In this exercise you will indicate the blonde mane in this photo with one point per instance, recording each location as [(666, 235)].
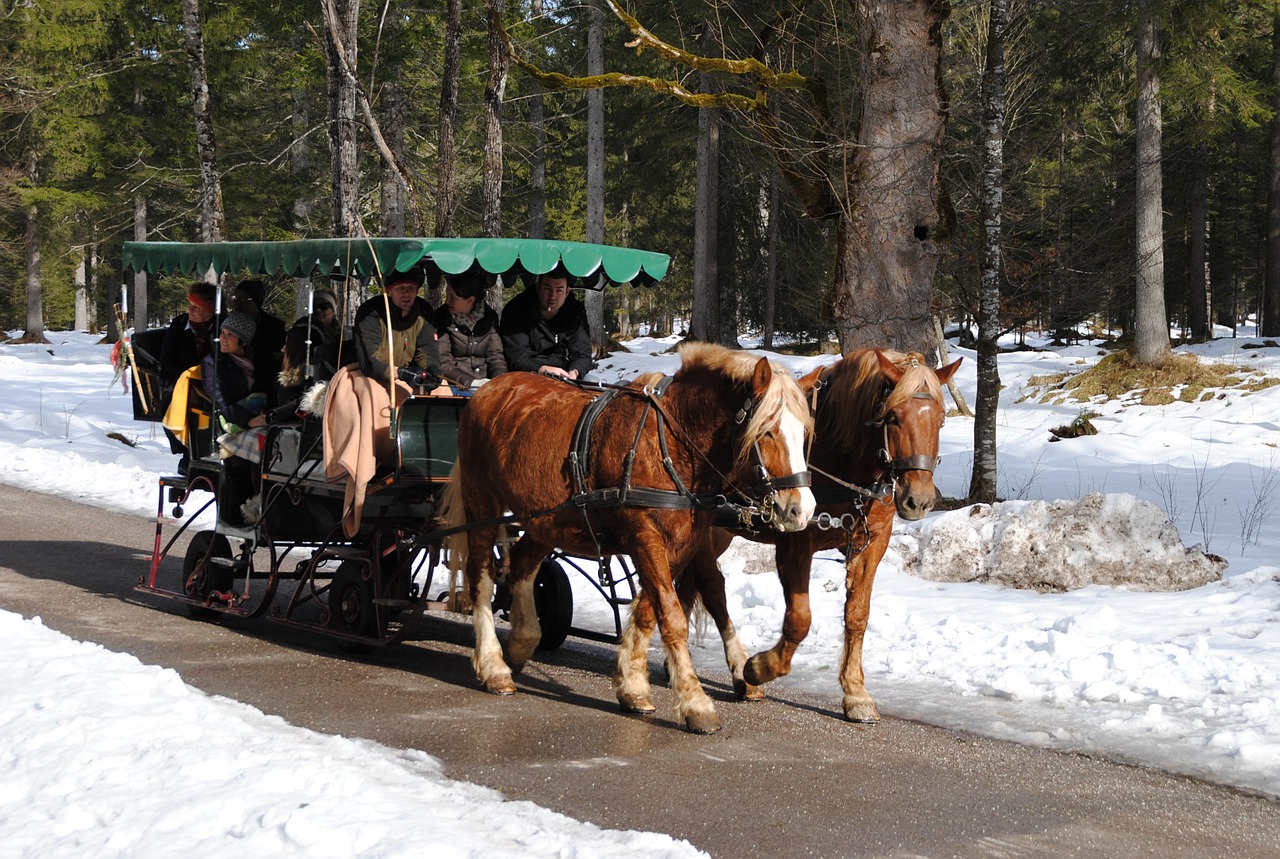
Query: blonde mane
[(853, 395), (781, 396)]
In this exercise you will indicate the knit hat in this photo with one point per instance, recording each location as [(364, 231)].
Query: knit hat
[(324, 296), (255, 289), (240, 324), (202, 295), (398, 277)]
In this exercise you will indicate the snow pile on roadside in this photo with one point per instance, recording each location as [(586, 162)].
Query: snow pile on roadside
[(1114, 539)]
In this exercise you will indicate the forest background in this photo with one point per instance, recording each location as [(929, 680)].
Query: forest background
[(102, 140)]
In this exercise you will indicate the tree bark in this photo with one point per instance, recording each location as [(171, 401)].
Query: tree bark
[(982, 481), (393, 191), (213, 227), (34, 332), (892, 219), (79, 279), (1271, 289), (773, 243), (446, 157), (595, 171), (705, 323), (140, 309), (538, 157), (491, 180), (1197, 284), (343, 153), (1151, 324)]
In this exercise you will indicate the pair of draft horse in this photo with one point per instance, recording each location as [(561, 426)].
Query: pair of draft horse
[(644, 478)]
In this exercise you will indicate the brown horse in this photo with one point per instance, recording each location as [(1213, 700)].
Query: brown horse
[(876, 421), (659, 456)]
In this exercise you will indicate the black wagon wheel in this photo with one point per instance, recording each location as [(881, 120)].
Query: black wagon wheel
[(351, 608), (553, 600), (202, 572)]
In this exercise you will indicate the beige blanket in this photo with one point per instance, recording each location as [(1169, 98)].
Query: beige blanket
[(357, 436)]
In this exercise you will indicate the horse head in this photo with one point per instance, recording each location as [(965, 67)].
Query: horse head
[(770, 426), (911, 416)]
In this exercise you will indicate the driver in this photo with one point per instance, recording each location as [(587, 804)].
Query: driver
[(413, 350)]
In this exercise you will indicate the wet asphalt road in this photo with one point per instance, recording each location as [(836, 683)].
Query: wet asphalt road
[(784, 778)]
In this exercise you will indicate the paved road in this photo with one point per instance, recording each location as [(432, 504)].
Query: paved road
[(784, 778)]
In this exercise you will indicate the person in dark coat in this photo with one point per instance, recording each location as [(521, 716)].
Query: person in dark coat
[(268, 340), (189, 337), (471, 349), (413, 350), (544, 329), (229, 375)]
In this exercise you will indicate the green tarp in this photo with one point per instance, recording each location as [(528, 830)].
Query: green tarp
[(367, 258)]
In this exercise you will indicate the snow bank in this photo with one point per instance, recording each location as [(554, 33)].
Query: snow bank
[(1113, 539)]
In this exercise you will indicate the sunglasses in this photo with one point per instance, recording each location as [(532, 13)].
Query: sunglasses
[(324, 307)]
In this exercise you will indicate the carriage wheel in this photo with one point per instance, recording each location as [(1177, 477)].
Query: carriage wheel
[(553, 600), (201, 575), (351, 607)]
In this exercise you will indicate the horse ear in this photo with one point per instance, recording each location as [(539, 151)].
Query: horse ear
[(808, 380), (760, 377), (945, 374), (891, 370)]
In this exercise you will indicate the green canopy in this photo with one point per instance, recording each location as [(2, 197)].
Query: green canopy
[(592, 265)]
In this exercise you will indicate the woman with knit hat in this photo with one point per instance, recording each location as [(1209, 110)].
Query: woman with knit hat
[(228, 374)]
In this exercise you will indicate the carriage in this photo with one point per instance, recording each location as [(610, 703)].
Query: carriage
[(365, 582)]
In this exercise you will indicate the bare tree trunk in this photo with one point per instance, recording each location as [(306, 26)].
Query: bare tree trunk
[(343, 152), (1271, 290), (888, 240), (140, 277), (393, 190), (95, 291), (982, 481), (1197, 282), (773, 242), (704, 323), (213, 227), (34, 332), (538, 157), (491, 181), (595, 171), (81, 292), (446, 157), (1151, 324), (299, 156)]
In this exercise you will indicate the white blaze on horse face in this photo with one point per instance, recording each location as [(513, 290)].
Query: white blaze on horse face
[(797, 518)]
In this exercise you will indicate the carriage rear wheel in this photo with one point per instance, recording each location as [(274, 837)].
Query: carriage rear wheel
[(351, 608), (553, 600), (202, 573)]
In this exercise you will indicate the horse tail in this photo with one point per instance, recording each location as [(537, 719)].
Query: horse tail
[(452, 514)]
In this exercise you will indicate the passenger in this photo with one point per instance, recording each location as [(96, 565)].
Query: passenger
[(544, 330), (186, 342), (324, 330), (470, 348), (250, 297), (229, 375), (190, 335), (413, 349)]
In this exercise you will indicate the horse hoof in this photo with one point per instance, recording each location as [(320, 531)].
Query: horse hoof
[(641, 707), (745, 691), (702, 724), (500, 686), (862, 715)]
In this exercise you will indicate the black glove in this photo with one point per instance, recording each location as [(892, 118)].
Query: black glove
[(417, 378)]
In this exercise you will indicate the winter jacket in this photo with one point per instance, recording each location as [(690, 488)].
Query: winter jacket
[(469, 349), (184, 346), (228, 385), (413, 339), (532, 342)]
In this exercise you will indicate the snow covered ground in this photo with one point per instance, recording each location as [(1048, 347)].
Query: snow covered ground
[(1187, 681)]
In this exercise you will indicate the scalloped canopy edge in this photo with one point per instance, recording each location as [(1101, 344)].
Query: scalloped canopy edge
[(591, 264)]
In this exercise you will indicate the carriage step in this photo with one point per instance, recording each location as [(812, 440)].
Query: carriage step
[(227, 563), (347, 553), (390, 603)]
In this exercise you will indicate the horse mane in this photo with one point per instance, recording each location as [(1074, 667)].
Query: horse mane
[(854, 394), (779, 397)]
